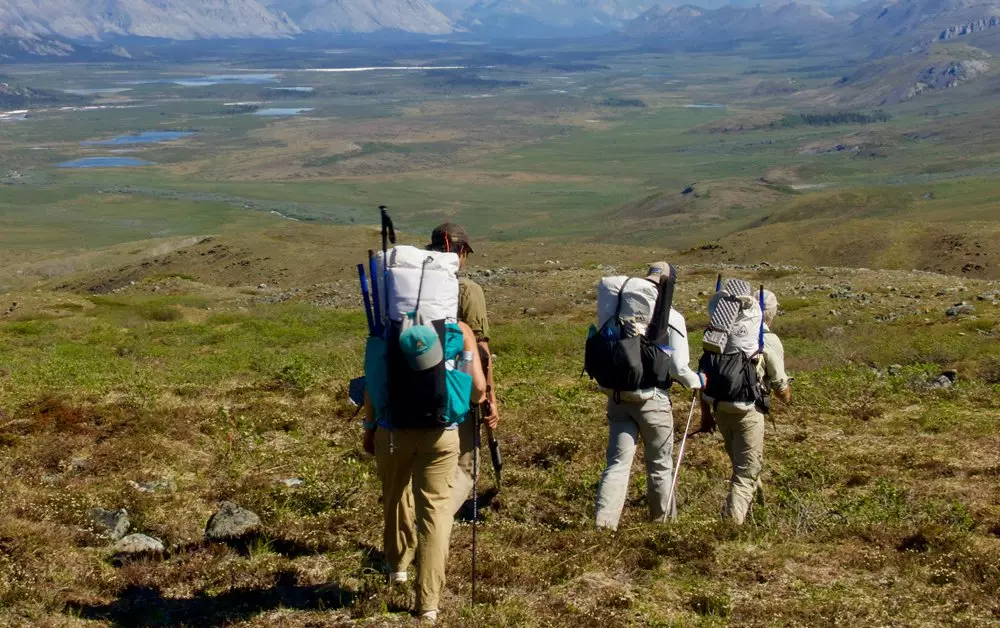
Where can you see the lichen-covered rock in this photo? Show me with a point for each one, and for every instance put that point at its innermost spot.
(111, 523)
(231, 522)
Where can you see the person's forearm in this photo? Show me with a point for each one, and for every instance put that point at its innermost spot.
(484, 350)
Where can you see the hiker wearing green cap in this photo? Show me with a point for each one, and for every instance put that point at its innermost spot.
(742, 423)
(417, 468)
(639, 303)
(452, 238)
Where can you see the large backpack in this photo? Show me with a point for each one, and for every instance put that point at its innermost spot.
(420, 288)
(621, 352)
(733, 345)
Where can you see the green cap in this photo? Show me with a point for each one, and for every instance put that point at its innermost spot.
(421, 347)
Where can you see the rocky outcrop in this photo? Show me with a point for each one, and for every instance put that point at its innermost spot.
(975, 26)
(940, 76)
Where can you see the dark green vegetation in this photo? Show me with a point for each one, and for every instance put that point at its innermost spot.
(881, 501)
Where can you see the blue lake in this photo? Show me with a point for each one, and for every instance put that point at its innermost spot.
(282, 112)
(215, 79)
(105, 162)
(146, 137)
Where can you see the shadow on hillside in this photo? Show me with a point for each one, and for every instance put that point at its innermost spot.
(146, 606)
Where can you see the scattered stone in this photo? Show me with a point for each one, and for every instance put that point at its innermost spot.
(231, 522)
(941, 382)
(262, 286)
(162, 485)
(134, 544)
(293, 482)
(960, 309)
(990, 297)
(895, 369)
(111, 523)
(530, 311)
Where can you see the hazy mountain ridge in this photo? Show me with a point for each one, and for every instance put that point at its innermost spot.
(597, 15)
(364, 16)
(732, 22)
(26, 22)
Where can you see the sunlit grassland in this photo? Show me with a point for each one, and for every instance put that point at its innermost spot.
(881, 492)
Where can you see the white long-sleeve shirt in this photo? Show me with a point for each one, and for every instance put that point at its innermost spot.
(680, 357)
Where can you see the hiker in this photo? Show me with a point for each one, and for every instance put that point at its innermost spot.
(645, 411)
(423, 373)
(452, 238)
(740, 418)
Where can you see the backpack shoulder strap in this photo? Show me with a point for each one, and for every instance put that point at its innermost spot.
(621, 295)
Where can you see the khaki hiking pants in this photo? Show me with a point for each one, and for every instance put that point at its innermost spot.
(743, 433)
(654, 420)
(464, 476)
(418, 521)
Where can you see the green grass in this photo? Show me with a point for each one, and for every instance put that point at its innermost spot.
(879, 489)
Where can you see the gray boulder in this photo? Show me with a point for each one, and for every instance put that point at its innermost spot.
(231, 522)
(134, 544)
(960, 309)
(111, 523)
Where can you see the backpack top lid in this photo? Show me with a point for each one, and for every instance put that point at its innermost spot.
(735, 320)
(420, 345)
(638, 300)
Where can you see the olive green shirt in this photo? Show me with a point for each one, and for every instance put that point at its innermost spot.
(472, 308)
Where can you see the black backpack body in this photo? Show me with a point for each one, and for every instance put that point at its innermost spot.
(621, 361)
(417, 399)
(732, 371)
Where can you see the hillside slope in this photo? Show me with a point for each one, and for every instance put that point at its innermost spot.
(174, 394)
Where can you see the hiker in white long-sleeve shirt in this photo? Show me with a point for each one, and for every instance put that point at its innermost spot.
(648, 413)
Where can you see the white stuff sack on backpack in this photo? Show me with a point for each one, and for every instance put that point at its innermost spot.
(430, 275)
(735, 320)
(638, 301)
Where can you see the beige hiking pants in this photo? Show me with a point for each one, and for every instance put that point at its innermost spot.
(418, 521)
(654, 421)
(464, 476)
(743, 433)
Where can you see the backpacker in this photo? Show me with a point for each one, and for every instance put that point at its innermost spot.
(733, 345)
(620, 355)
(423, 342)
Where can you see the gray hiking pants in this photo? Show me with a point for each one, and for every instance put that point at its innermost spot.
(743, 433)
(654, 420)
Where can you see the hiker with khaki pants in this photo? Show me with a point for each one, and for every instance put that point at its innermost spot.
(417, 470)
(742, 423)
(452, 238)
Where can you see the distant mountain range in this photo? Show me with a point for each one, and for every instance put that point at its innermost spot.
(62, 27)
(881, 25)
(552, 16)
(24, 24)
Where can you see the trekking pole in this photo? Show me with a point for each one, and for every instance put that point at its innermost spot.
(367, 298)
(680, 456)
(475, 495)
